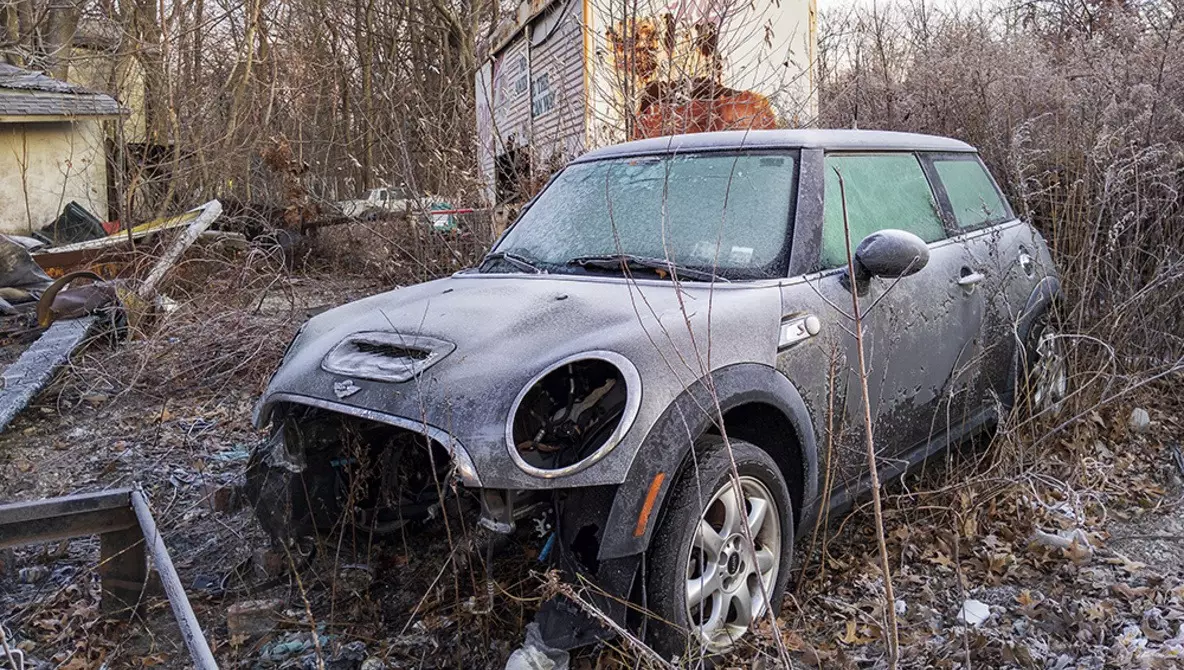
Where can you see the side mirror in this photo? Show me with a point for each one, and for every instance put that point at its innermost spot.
(890, 253)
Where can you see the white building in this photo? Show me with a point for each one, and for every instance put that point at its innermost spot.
(52, 149)
(566, 76)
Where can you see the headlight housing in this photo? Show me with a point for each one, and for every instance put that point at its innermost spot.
(573, 413)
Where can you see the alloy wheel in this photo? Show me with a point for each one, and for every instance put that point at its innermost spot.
(1050, 375)
(727, 584)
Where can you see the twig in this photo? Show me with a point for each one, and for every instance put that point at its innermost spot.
(891, 634)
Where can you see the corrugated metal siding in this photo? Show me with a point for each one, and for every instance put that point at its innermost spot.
(557, 55)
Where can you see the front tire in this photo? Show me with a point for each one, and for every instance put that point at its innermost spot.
(705, 583)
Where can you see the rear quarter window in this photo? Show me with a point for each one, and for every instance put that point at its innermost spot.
(972, 194)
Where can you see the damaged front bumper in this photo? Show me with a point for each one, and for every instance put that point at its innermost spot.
(329, 466)
(465, 470)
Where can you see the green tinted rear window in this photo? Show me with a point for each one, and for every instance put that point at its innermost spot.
(972, 194)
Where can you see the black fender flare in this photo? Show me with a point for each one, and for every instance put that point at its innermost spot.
(1047, 291)
(637, 505)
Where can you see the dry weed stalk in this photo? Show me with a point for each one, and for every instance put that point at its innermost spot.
(891, 634)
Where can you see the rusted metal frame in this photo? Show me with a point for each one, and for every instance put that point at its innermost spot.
(199, 650)
(62, 518)
(128, 536)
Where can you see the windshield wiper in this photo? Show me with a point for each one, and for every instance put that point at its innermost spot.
(517, 260)
(632, 262)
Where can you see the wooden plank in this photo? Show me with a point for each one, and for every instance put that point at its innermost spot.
(65, 526)
(209, 211)
(79, 502)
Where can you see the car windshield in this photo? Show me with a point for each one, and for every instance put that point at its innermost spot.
(716, 214)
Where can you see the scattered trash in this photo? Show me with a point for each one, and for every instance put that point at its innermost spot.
(33, 574)
(1140, 421)
(78, 253)
(974, 612)
(238, 452)
(901, 607)
(1075, 540)
(351, 656)
(30, 244)
(21, 279)
(292, 645)
(74, 224)
(214, 584)
(534, 654)
(253, 617)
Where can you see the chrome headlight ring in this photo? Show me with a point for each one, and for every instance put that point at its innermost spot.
(632, 404)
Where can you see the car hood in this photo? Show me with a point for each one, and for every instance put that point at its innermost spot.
(509, 328)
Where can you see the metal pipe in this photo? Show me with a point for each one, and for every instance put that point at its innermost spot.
(199, 650)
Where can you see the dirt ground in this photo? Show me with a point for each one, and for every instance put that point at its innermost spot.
(171, 412)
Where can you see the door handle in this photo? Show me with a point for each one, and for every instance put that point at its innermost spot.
(969, 280)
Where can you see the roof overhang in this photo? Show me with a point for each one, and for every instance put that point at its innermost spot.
(58, 118)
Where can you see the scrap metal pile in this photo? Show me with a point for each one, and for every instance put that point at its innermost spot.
(57, 316)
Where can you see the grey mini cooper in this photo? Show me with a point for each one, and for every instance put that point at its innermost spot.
(656, 364)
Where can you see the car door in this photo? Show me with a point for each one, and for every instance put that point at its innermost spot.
(1000, 247)
(921, 332)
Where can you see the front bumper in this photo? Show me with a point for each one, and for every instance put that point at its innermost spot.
(465, 469)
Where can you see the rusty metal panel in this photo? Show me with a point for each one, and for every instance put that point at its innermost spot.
(23, 512)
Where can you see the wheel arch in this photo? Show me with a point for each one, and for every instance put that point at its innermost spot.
(746, 392)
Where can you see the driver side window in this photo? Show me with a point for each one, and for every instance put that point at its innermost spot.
(884, 190)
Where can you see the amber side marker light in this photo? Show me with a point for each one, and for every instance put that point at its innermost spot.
(647, 508)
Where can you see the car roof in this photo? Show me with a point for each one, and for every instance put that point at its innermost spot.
(839, 140)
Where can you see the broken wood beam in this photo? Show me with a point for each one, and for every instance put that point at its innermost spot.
(209, 212)
(25, 378)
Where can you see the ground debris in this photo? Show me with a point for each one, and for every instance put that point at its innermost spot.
(252, 618)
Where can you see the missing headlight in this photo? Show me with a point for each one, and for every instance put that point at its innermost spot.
(571, 416)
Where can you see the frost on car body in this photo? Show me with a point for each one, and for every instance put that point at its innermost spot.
(659, 301)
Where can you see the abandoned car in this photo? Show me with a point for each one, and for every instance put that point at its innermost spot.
(658, 301)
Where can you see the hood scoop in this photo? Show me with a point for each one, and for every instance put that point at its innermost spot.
(385, 356)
